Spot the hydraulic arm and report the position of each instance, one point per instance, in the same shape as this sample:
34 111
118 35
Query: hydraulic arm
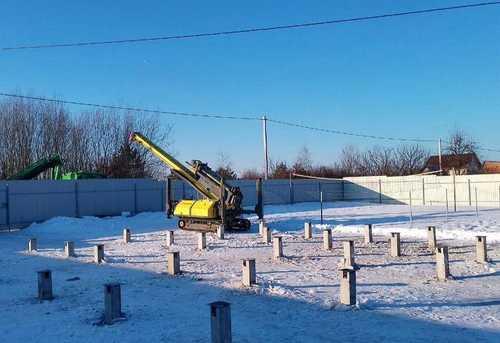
221 203
35 169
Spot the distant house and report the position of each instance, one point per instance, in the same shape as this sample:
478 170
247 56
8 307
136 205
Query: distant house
491 167
462 164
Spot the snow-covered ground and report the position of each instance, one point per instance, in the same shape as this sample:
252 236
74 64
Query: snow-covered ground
296 299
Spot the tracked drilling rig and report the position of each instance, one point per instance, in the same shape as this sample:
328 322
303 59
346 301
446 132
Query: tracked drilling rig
221 203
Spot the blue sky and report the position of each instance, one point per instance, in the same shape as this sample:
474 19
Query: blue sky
419 76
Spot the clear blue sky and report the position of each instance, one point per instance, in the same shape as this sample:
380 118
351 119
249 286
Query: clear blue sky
418 76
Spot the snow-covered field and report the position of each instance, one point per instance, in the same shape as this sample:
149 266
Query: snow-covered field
295 300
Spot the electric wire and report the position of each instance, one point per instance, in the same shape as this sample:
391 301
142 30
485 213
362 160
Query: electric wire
346 133
231 117
255 29
132 109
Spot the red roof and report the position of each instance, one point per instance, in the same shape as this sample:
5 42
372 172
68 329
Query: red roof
451 161
492 167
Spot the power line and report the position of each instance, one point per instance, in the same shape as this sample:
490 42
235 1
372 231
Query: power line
230 117
133 109
346 133
213 116
255 29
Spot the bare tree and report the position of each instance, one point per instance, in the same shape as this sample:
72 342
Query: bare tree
89 141
404 160
303 163
410 159
350 161
461 143
378 161
279 170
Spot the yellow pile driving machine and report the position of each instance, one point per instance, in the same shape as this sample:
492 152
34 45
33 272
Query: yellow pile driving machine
222 204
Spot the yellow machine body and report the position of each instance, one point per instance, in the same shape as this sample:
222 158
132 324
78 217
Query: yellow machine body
203 209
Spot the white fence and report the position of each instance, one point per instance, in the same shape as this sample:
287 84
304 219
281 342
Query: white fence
423 190
24 202
461 190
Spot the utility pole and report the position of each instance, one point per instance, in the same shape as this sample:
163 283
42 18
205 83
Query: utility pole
440 156
266 154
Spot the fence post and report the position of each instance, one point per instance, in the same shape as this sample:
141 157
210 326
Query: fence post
222 210
470 192
343 190
290 188
135 197
477 206
454 191
162 196
411 209
321 204
259 207
169 197
498 196
7 194
423 191
77 204
319 191
379 191
447 209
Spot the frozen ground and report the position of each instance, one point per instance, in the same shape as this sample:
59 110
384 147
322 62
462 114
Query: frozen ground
296 299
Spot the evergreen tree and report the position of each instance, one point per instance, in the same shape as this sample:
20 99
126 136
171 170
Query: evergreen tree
127 163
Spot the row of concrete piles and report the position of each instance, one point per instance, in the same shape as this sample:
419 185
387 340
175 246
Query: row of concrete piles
348 266
220 311
98 255
173 257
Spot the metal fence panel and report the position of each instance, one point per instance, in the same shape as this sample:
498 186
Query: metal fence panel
24 202
3 204
274 191
105 198
151 196
37 200
249 190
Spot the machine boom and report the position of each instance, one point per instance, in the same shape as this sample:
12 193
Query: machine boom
222 203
